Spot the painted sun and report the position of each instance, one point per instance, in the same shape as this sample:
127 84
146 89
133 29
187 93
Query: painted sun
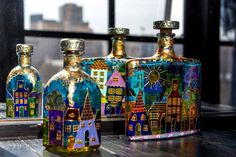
153 77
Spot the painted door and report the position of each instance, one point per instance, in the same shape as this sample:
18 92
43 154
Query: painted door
86 138
70 142
138 129
163 125
173 124
21 111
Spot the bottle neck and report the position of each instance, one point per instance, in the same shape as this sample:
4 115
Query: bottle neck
72 62
165 44
118 47
24 60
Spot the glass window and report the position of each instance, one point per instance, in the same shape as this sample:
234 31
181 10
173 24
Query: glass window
76 127
139 18
101 86
110 98
154 123
140 49
111 91
118 98
95 73
134 117
226 67
130 127
25 101
101 79
102 73
16 95
145 127
68 128
143 117
75 16
119 91
227 22
115 79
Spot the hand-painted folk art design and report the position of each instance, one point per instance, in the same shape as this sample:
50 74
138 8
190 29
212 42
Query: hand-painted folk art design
72 105
109 73
23 87
162 91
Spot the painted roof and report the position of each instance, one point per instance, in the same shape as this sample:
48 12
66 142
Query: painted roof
72 114
158 107
87 112
99 64
139 104
119 83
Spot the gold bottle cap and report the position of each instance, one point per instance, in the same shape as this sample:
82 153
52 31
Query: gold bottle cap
166 24
118 31
24 48
76 46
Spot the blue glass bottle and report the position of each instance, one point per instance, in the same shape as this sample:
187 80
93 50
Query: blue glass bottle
71 101
23 87
157 102
109 72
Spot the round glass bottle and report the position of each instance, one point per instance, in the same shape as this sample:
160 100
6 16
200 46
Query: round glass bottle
23 87
71 104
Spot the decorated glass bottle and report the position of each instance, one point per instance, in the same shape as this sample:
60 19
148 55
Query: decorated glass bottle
161 90
71 101
23 87
109 72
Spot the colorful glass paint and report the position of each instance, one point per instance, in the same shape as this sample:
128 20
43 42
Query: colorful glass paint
72 105
162 91
23 87
109 72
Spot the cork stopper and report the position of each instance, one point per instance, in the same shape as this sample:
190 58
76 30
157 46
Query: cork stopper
24 49
72 46
118 31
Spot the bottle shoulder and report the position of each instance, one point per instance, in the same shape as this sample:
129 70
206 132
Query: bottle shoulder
31 73
67 77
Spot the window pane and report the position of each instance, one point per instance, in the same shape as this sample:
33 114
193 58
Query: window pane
48 59
61 15
227 21
138 15
226 60
144 49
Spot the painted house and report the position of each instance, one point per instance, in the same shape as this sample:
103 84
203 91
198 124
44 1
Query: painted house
56 129
138 122
71 126
115 93
99 71
33 104
87 133
174 103
21 100
157 117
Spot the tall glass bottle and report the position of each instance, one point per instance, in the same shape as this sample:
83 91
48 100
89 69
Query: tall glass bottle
109 72
23 87
71 102
160 83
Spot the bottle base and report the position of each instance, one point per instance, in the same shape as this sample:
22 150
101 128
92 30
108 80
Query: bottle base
58 149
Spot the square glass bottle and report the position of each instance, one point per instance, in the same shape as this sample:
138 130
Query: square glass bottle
72 105
163 91
109 72
24 87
